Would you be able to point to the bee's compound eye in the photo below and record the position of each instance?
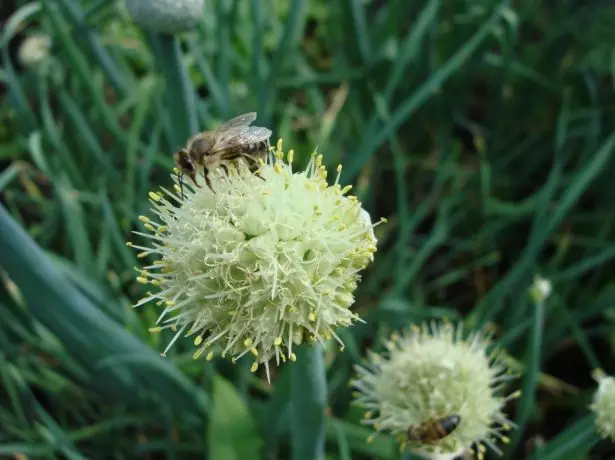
(200, 146)
(184, 161)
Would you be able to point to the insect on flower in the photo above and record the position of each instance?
(233, 140)
(434, 429)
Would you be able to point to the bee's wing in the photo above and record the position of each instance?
(241, 120)
(240, 135)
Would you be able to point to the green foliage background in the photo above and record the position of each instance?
(483, 130)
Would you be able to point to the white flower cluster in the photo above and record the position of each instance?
(603, 405)
(265, 262)
(428, 374)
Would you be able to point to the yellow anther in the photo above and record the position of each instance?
(210, 356)
(277, 168)
(293, 357)
(254, 351)
(154, 196)
(254, 367)
(197, 354)
(346, 189)
(129, 243)
(162, 228)
(278, 341)
(155, 282)
(370, 438)
(155, 330)
(505, 439)
(141, 280)
(144, 219)
(248, 342)
(279, 144)
(198, 340)
(339, 168)
(159, 303)
(170, 303)
(150, 227)
(290, 156)
(143, 254)
(177, 188)
(312, 317)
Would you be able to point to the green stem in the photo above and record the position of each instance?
(530, 381)
(309, 401)
(179, 97)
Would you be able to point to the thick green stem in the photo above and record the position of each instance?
(179, 97)
(309, 401)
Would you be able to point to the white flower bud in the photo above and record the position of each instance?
(429, 375)
(34, 49)
(166, 16)
(540, 290)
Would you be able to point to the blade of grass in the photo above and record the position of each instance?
(87, 332)
(80, 66)
(17, 93)
(530, 379)
(577, 440)
(308, 404)
(292, 29)
(119, 79)
(373, 140)
(357, 13)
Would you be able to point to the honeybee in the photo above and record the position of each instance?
(433, 430)
(232, 140)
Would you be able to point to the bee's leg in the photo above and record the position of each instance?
(224, 168)
(207, 180)
(253, 165)
(192, 176)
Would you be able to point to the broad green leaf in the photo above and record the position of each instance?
(232, 433)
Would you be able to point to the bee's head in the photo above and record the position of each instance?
(185, 162)
(186, 165)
